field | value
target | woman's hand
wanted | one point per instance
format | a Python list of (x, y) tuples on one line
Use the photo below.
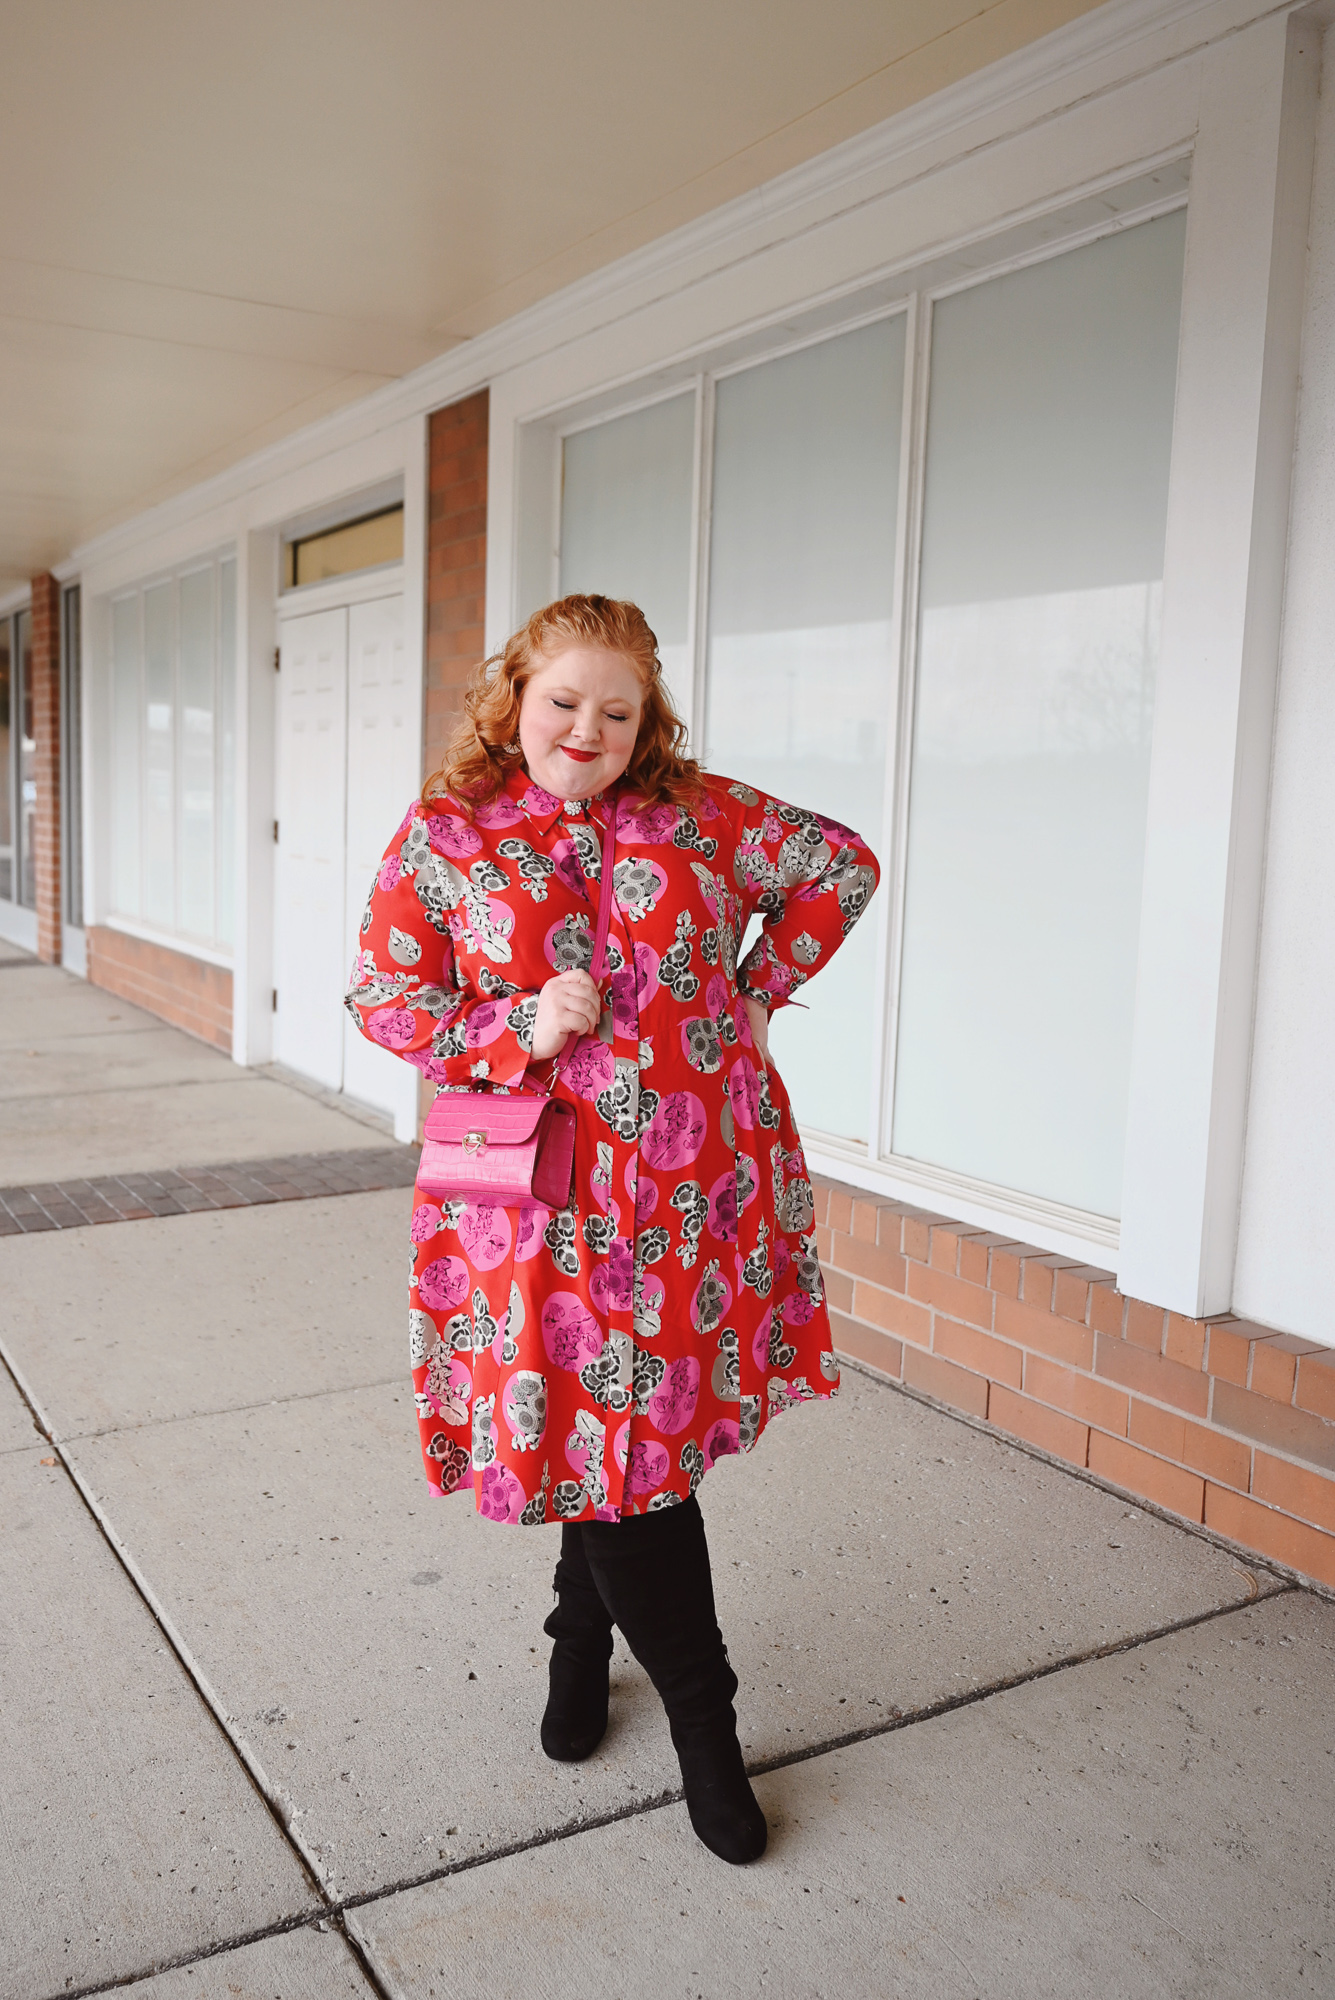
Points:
[(758, 1016), (569, 1001)]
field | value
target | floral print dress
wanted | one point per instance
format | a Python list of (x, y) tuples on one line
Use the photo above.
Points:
[(597, 1360)]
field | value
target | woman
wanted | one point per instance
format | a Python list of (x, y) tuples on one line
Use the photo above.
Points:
[(590, 1365)]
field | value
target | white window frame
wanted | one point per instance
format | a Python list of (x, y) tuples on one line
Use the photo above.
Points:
[(1233, 98), (938, 1187)]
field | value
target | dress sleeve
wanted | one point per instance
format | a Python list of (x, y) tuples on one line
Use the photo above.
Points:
[(811, 879), (410, 993)]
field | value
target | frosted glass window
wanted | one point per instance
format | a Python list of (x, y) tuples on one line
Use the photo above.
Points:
[(6, 763), (197, 752), (1049, 425), (27, 718), (626, 510), (125, 755), (159, 756), (173, 745), (227, 734), (799, 691)]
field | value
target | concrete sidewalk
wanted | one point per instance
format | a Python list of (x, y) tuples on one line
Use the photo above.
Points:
[(270, 1728)]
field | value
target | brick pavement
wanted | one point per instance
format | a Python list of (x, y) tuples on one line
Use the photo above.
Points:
[(75, 1204)]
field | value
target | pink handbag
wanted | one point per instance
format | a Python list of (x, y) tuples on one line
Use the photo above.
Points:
[(479, 1146)]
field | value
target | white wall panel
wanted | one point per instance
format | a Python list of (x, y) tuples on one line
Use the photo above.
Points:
[(310, 934), (382, 782), (1214, 707)]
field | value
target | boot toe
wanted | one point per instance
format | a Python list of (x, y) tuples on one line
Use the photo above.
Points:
[(736, 1836), (567, 1745)]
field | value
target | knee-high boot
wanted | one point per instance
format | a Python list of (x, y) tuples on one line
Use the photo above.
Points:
[(653, 1573), (575, 1721)]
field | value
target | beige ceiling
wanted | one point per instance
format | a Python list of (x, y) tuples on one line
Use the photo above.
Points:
[(218, 222)]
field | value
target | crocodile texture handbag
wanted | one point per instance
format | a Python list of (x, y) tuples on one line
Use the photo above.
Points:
[(480, 1146)]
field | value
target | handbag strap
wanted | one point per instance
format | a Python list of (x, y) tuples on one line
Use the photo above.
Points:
[(598, 963)]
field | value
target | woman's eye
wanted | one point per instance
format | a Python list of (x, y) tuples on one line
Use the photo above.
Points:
[(561, 704)]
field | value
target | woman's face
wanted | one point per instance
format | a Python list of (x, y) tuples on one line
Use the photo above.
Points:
[(579, 716)]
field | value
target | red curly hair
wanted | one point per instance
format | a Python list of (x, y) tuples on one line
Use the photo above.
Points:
[(484, 748)]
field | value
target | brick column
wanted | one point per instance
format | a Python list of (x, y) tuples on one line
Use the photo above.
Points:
[(456, 571), (46, 718)]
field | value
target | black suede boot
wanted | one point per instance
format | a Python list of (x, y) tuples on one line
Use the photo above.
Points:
[(653, 1573), (575, 1721)]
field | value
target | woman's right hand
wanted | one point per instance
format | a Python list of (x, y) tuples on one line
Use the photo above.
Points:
[(569, 1001)]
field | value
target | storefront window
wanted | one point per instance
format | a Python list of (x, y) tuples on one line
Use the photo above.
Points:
[(173, 753), (626, 513), (799, 680), (1009, 805), (71, 748), (1048, 435), (6, 760)]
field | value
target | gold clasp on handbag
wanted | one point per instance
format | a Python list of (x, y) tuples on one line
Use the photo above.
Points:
[(474, 1142)]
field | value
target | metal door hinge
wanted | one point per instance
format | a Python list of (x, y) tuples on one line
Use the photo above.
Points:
[(275, 830), (275, 1000), (277, 658)]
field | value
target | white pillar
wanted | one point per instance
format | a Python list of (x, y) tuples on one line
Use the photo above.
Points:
[(1223, 588)]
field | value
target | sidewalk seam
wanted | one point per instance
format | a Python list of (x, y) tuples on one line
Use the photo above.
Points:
[(343, 1910), (267, 1792), (394, 1381), (336, 1911)]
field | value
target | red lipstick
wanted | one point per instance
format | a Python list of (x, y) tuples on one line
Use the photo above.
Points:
[(580, 756)]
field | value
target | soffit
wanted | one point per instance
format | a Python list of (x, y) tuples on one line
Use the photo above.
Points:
[(221, 223)]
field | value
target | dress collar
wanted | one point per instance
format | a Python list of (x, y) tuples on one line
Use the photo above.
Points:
[(544, 810)]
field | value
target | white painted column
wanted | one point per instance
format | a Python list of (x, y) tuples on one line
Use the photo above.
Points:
[(1223, 588)]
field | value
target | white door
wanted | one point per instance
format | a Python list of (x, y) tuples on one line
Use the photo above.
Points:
[(310, 958), (382, 780)]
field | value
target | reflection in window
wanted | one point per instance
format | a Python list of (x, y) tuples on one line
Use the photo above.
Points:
[(198, 751), (626, 521), (1049, 422), (159, 856), (800, 683)]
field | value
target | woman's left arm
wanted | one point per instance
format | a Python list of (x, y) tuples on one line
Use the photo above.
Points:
[(812, 878)]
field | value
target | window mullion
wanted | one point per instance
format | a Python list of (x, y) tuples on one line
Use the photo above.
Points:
[(178, 762), (899, 747), (141, 671), (704, 507)]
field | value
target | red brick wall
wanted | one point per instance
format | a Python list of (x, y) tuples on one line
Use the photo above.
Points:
[(46, 716), (186, 991), (1218, 1420), (456, 570)]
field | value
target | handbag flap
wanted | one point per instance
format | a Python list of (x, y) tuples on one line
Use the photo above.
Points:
[(503, 1121)]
